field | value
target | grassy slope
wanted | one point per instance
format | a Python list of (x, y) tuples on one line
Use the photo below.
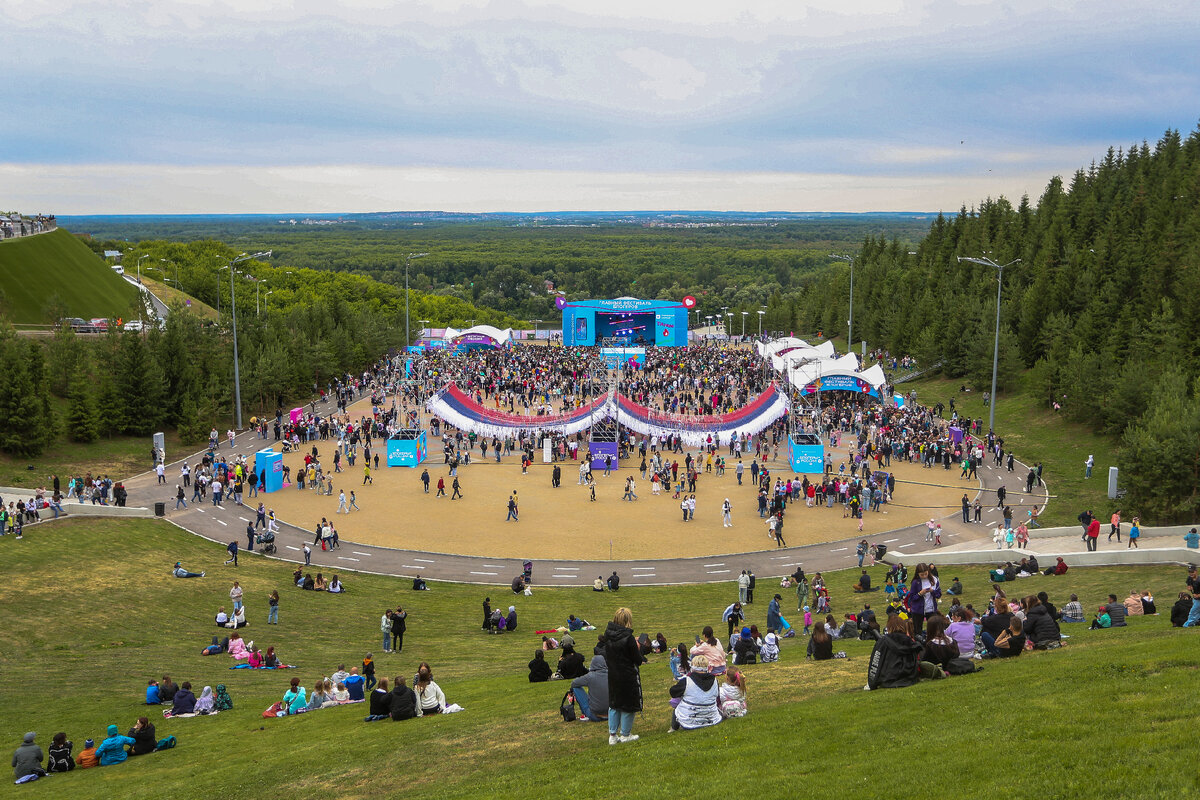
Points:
[(33, 269), (172, 296), (79, 647), (1035, 434)]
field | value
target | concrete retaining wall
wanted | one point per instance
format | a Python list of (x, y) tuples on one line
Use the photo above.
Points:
[(1100, 558), (73, 509)]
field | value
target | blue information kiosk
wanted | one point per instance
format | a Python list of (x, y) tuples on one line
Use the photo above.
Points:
[(407, 448), (806, 454), (269, 466)]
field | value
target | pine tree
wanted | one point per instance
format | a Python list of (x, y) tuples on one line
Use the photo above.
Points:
[(20, 408), (139, 383), (83, 418)]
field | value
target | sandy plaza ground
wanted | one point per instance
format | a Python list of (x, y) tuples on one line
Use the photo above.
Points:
[(565, 523)]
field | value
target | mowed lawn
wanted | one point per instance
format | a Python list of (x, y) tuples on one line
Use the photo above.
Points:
[(1035, 433), (92, 613), (34, 269)]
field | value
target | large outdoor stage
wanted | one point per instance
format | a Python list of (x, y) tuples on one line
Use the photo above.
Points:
[(625, 321)]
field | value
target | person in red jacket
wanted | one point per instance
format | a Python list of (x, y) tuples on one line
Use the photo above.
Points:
[(1093, 533)]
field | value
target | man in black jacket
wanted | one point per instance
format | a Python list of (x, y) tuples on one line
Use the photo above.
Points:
[(614, 582)]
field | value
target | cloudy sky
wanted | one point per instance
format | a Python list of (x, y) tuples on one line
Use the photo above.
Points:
[(128, 106)]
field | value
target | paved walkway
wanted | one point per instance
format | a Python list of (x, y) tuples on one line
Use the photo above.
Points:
[(228, 522)]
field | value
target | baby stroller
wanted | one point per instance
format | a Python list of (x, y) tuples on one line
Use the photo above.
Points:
[(287, 446), (267, 540)]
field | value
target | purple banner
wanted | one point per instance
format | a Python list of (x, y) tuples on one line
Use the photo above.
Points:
[(602, 449)]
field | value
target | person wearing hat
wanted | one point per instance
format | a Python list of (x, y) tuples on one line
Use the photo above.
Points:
[(112, 749), (179, 572), (697, 693), (27, 759), (745, 650), (87, 756)]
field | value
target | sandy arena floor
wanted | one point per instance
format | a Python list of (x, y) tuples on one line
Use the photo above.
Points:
[(564, 523)]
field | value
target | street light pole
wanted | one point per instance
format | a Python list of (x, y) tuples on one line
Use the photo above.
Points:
[(139, 268), (237, 378), (987, 262), (849, 322), (407, 334), (760, 316), (744, 315)]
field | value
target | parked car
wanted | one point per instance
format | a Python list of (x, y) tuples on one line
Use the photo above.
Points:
[(99, 324), (119, 269), (133, 325)]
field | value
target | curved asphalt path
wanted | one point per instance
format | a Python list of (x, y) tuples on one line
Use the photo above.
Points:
[(228, 522)]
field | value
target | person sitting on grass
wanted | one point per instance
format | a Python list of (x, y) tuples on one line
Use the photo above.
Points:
[(185, 701), (955, 587), (820, 645), (222, 618), (698, 693), (940, 646), (402, 702), (319, 584), (570, 665), (340, 693), (237, 646), (152, 695), (549, 643), (1181, 609), (380, 702), (1148, 607), (295, 699), (864, 583), (355, 684), (431, 699), (708, 646), (317, 697), (1008, 644), (731, 699), (576, 623), (27, 760), (539, 670), (1039, 625), (770, 649), (238, 620), (308, 583), (205, 703), (144, 740), (1116, 611), (1133, 604), (112, 749), (962, 630), (59, 758), (221, 700), (745, 650), (270, 660), (335, 585), (1101, 620), (591, 690), (1072, 611)]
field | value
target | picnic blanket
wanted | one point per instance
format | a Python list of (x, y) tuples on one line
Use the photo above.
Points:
[(277, 710), (168, 715), (247, 666)]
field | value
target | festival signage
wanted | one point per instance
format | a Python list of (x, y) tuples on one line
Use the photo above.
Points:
[(845, 383), (408, 450), (806, 454)]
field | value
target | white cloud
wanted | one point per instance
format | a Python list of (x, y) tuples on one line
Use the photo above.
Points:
[(149, 189)]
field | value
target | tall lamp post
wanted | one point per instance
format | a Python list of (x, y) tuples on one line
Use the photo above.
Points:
[(139, 268), (407, 261), (760, 316), (987, 262), (237, 378), (849, 322), (535, 324), (744, 315)]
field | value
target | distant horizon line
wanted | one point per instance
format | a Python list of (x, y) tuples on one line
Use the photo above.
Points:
[(429, 212)]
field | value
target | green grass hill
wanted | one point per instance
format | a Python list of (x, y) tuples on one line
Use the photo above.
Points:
[(93, 613), (57, 270)]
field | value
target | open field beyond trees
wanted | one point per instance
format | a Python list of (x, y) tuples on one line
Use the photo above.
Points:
[(93, 614)]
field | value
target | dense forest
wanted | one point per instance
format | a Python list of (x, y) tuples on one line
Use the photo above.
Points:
[(743, 264), (311, 328), (1101, 309)]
